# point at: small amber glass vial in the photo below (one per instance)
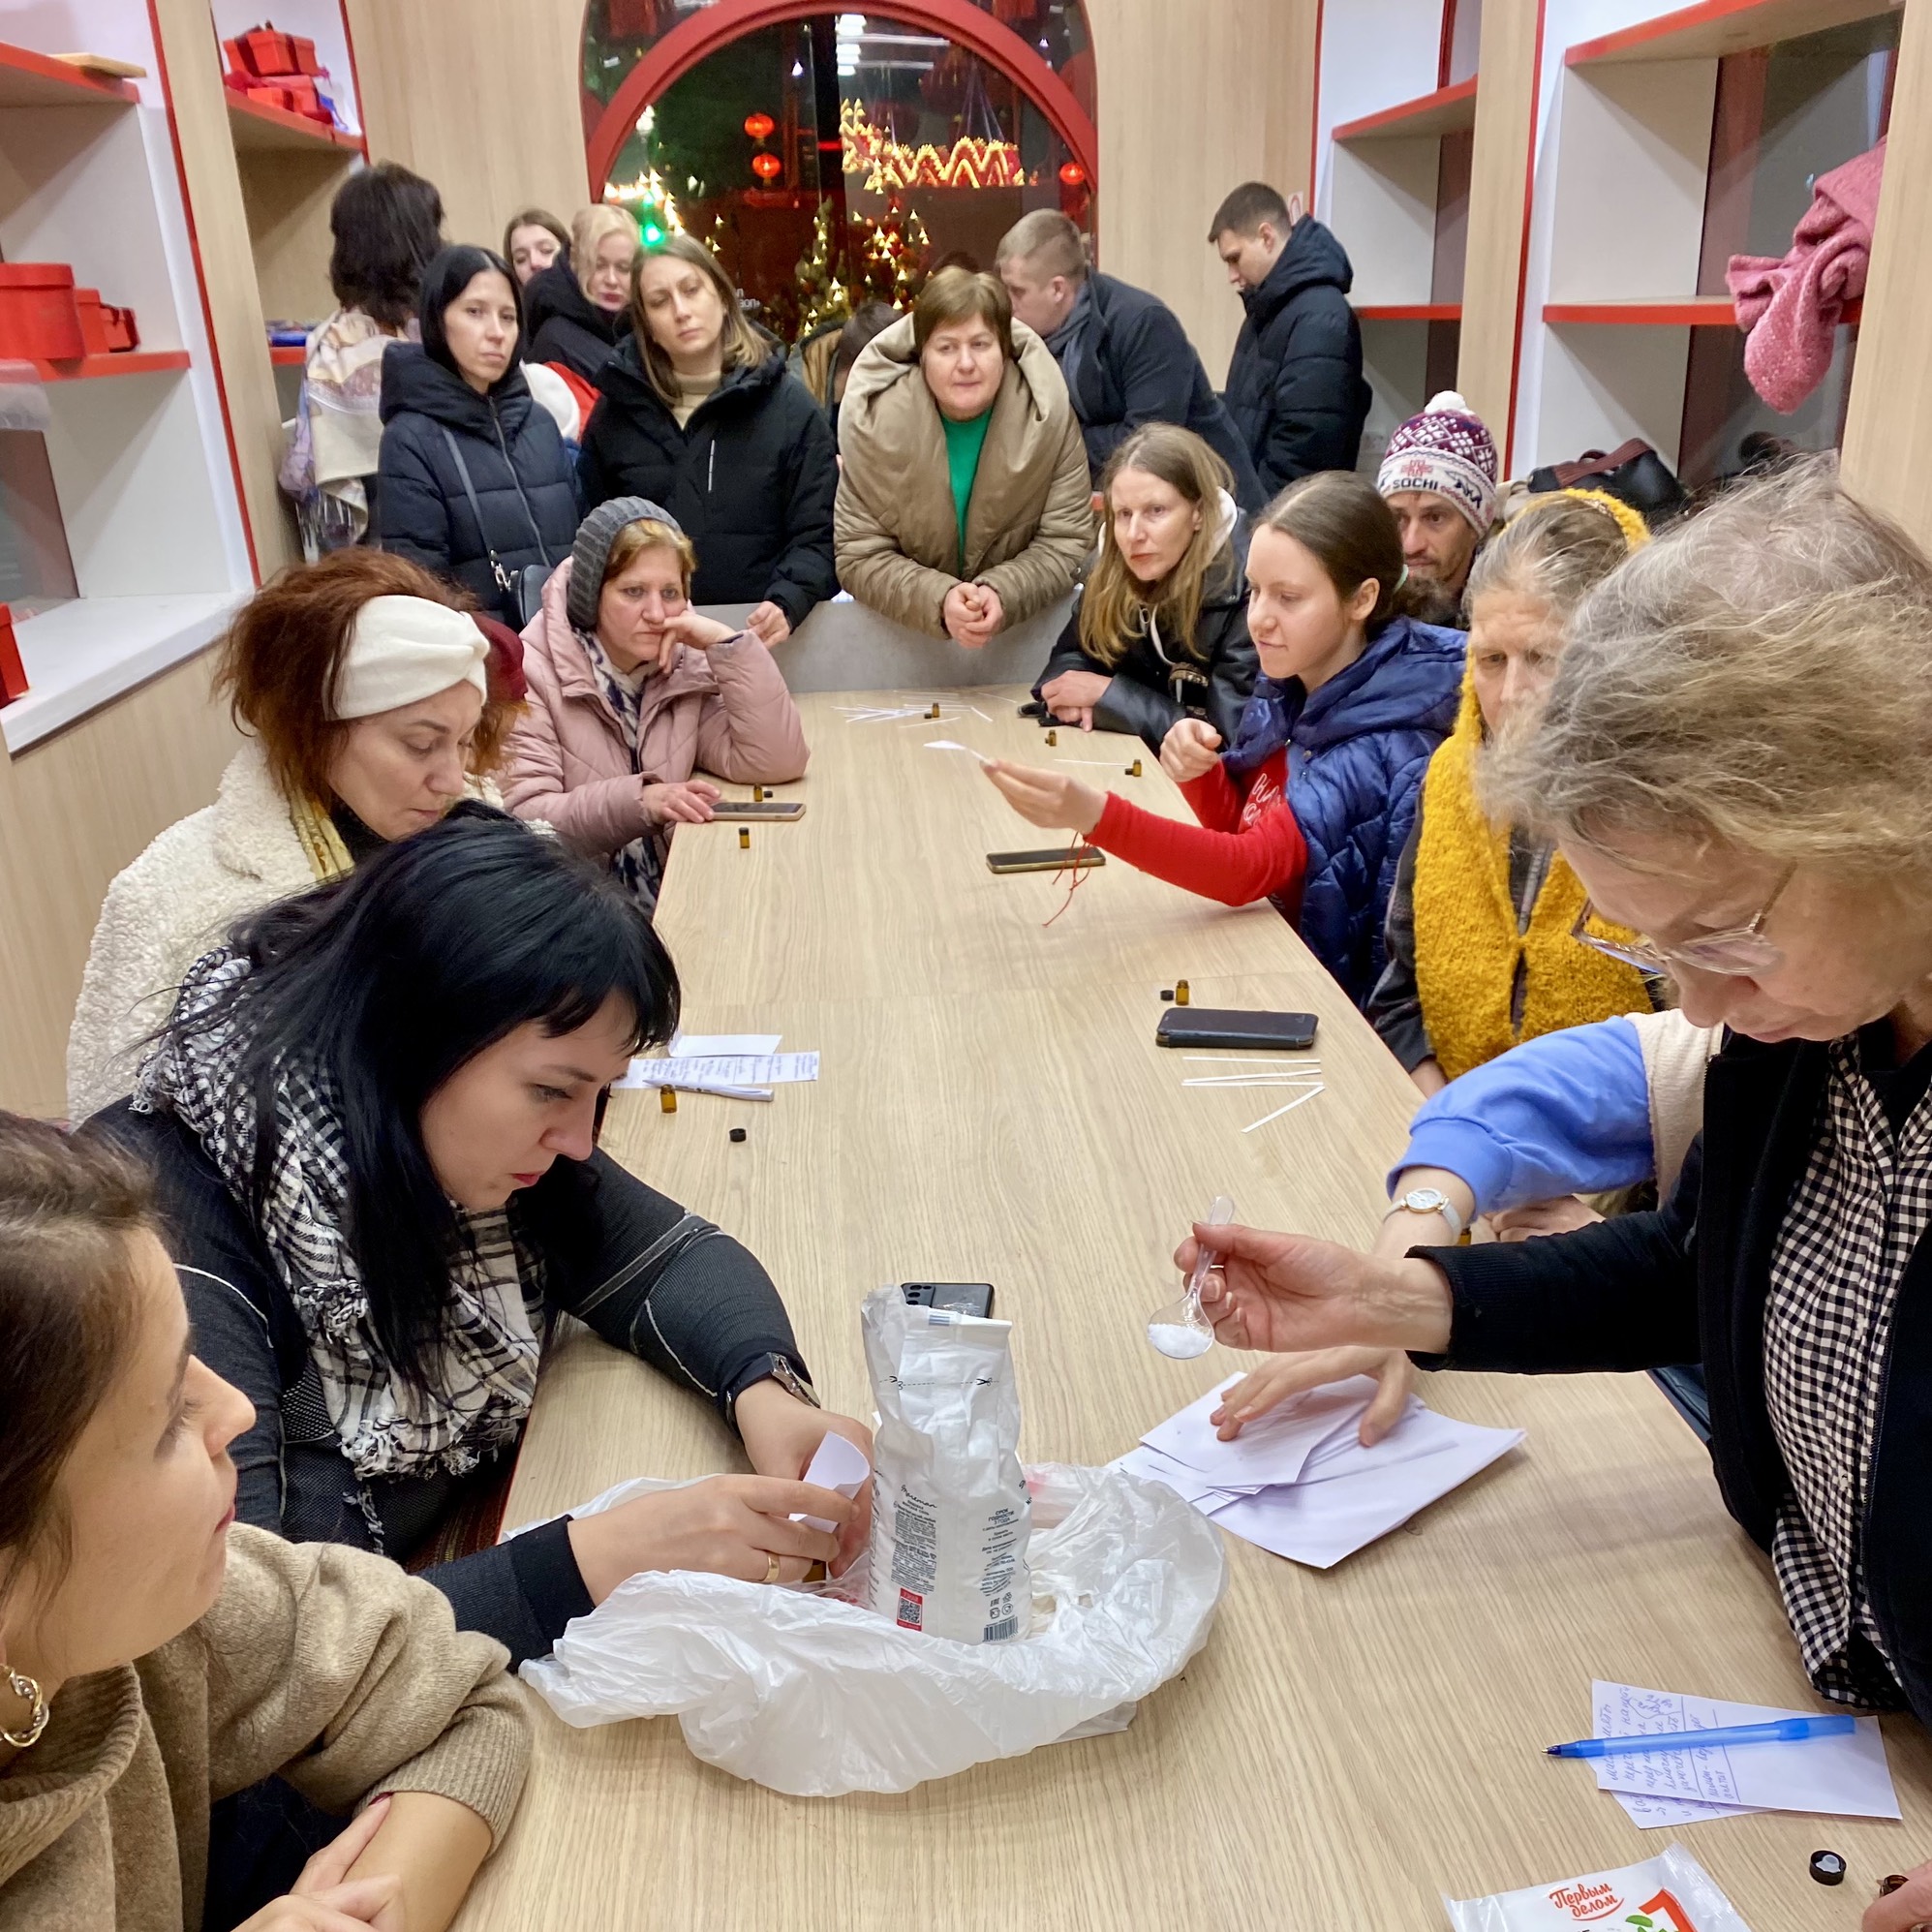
(667, 1100)
(1181, 992)
(743, 837)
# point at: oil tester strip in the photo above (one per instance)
(1289, 1109)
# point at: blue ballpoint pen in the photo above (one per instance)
(1785, 1731)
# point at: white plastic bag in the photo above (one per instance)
(950, 1510)
(818, 1697)
(1669, 1893)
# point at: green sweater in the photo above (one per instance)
(964, 443)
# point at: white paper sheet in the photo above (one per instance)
(724, 1046)
(742, 1074)
(1845, 1776)
(1189, 1485)
(1274, 1448)
(1350, 1501)
(839, 1465)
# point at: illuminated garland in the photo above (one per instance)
(887, 163)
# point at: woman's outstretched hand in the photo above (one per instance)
(1285, 1293)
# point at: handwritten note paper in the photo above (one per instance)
(1846, 1777)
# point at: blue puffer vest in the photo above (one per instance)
(1356, 750)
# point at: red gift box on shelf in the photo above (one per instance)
(264, 51)
(105, 329)
(13, 673)
(40, 315)
(118, 325)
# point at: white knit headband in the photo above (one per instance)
(404, 650)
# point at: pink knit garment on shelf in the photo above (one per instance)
(1791, 307)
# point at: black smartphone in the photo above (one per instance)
(1059, 859)
(783, 809)
(962, 1298)
(1220, 1026)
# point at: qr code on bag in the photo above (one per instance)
(911, 1610)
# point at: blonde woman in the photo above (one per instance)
(1733, 758)
(699, 415)
(1159, 633)
(1479, 940)
(573, 310)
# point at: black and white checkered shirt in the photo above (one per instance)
(1840, 1256)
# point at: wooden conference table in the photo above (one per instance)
(991, 1106)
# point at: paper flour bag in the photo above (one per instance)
(950, 1510)
(1670, 1893)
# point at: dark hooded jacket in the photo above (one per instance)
(1357, 752)
(1153, 687)
(1127, 361)
(1295, 386)
(751, 477)
(517, 465)
(562, 323)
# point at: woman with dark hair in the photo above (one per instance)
(1311, 804)
(1159, 630)
(154, 1659)
(387, 225)
(373, 700)
(699, 415)
(475, 483)
(964, 503)
(374, 1117)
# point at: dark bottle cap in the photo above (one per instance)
(1167, 992)
(1827, 1869)
(737, 1133)
(1890, 1883)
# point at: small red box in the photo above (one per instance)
(305, 55)
(13, 673)
(272, 94)
(118, 325)
(93, 321)
(39, 318)
(266, 51)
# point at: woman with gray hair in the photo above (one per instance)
(1736, 755)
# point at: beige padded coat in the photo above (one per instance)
(1029, 523)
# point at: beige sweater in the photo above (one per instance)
(326, 1664)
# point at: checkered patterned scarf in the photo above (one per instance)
(478, 1385)
(640, 865)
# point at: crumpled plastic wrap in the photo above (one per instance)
(813, 1694)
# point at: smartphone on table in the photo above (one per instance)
(783, 809)
(1056, 860)
(1223, 1027)
(961, 1298)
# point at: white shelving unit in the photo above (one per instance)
(136, 444)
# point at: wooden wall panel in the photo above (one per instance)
(1492, 270)
(1194, 98)
(186, 37)
(482, 95)
(1887, 449)
(75, 810)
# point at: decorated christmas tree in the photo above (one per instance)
(822, 295)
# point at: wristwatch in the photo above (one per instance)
(1429, 1201)
(771, 1369)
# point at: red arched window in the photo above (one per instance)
(813, 147)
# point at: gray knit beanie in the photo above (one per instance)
(595, 536)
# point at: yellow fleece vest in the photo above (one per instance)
(1467, 942)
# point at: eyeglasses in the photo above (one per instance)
(1732, 954)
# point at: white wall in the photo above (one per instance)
(1376, 54)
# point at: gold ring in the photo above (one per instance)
(771, 1566)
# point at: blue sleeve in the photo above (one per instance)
(1564, 1113)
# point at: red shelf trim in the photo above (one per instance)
(1686, 311)
(63, 73)
(287, 355)
(1409, 311)
(134, 362)
(1393, 117)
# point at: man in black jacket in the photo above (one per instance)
(1127, 359)
(1295, 388)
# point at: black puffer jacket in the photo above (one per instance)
(1295, 386)
(517, 467)
(561, 324)
(1151, 691)
(751, 477)
(1137, 366)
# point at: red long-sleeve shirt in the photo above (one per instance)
(1246, 847)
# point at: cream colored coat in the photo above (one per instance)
(168, 909)
(1030, 522)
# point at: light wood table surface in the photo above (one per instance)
(991, 1106)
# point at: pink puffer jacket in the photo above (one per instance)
(724, 711)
